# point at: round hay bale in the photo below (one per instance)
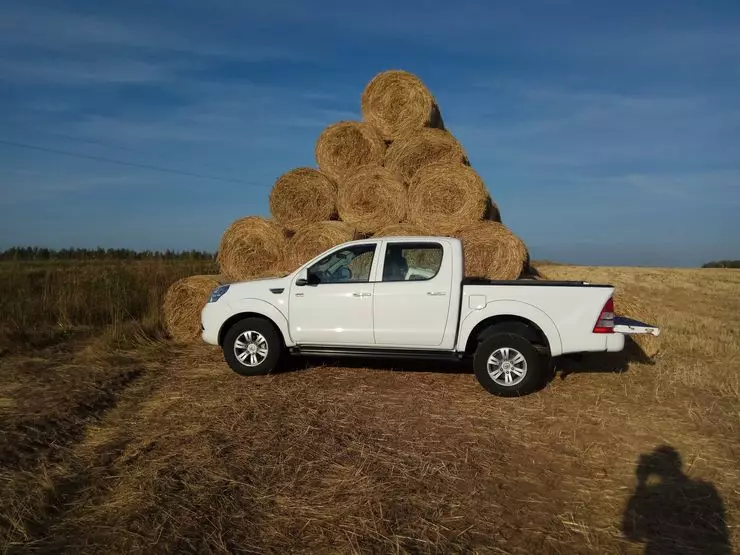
(250, 247)
(345, 146)
(446, 196)
(303, 196)
(371, 199)
(183, 302)
(409, 154)
(396, 102)
(402, 229)
(626, 304)
(492, 251)
(311, 240)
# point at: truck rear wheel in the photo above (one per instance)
(508, 365)
(252, 347)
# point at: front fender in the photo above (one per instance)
(262, 308)
(512, 308)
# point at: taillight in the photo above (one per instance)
(605, 323)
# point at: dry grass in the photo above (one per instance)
(46, 303)
(183, 304)
(634, 307)
(445, 196)
(409, 153)
(344, 147)
(168, 451)
(250, 247)
(397, 103)
(371, 199)
(303, 196)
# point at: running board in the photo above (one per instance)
(311, 350)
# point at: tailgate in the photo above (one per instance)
(630, 326)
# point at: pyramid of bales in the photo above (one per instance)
(399, 166)
(396, 172)
(399, 171)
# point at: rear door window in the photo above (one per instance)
(412, 261)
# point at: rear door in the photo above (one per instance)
(412, 294)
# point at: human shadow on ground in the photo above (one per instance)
(671, 513)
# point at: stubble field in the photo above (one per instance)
(113, 439)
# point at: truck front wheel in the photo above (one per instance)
(252, 347)
(508, 365)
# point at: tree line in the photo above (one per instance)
(722, 264)
(42, 253)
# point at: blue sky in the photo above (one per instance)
(607, 132)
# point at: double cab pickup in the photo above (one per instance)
(408, 297)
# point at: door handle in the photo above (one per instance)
(436, 293)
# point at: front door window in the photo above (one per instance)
(349, 265)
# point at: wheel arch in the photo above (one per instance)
(227, 325)
(506, 323)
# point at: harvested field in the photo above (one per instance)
(113, 446)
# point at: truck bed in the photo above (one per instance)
(531, 282)
(566, 311)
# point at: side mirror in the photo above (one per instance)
(306, 279)
(302, 280)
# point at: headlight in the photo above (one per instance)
(217, 293)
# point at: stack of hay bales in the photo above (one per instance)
(396, 172)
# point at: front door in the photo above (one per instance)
(412, 299)
(335, 307)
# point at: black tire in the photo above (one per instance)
(265, 329)
(532, 377)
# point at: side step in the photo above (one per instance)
(315, 350)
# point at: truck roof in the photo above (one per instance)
(425, 238)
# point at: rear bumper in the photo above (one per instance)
(614, 342)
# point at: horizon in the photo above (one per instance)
(606, 136)
(53, 254)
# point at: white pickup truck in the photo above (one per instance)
(402, 297)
